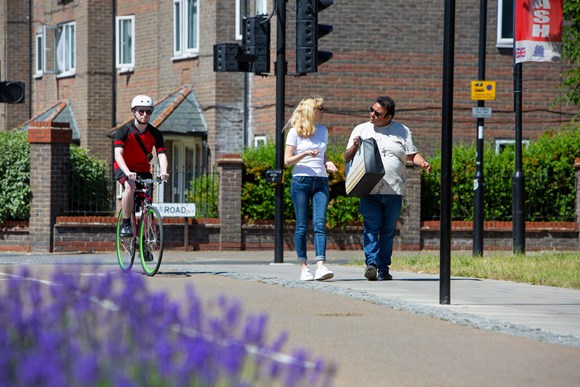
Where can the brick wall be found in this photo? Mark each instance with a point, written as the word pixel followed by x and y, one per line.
pixel 15 58
pixel 397 49
pixel 49 174
pixel 230 205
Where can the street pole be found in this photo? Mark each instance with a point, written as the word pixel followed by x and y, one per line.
pixel 446 153
pixel 281 70
pixel 479 181
pixel 518 190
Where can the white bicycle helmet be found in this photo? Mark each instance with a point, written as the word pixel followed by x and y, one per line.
pixel 141 100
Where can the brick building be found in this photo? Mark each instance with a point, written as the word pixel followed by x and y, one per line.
pixel 83 61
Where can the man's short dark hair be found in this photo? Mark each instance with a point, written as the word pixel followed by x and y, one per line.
pixel 388 103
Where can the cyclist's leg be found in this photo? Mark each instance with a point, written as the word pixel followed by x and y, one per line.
pixel 128 194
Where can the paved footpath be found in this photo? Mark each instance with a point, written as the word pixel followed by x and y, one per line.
pixel 388 333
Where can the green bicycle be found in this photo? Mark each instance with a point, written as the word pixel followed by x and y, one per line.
pixel 147 227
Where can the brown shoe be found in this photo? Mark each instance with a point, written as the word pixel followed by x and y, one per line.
pixel 371 272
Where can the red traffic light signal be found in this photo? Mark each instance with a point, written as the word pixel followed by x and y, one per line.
pixel 12 92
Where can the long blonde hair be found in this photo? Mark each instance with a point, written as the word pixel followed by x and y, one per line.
pixel 303 119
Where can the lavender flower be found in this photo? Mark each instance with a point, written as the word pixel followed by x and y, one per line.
pixel 110 330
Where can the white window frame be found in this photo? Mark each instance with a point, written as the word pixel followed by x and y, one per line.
pixel 239 17
pixel 66 49
pixel 48 49
pixel 261 7
pixel 503 41
pixel 500 144
pixel 184 28
pixel 39 55
pixel 125 42
pixel 260 140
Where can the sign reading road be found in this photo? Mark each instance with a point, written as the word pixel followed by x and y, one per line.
pixel 176 210
pixel 482 90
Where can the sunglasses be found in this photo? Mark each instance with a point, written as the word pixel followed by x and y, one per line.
pixel 320 108
pixel 375 113
pixel 145 111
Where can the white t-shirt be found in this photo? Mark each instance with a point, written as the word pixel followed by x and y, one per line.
pixel 309 166
pixel 395 142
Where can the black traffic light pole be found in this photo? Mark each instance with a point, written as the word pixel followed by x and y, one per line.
pixel 479 181
pixel 446 154
pixel 518 181
pixel 281 70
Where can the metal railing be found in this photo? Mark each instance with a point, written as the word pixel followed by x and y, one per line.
pixel 99 196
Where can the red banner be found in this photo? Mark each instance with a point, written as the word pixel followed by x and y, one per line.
pixel 538 30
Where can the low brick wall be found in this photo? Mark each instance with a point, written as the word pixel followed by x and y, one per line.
pixel 14 236
pixel 94 234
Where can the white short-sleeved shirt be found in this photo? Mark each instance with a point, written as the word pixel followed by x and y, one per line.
pixel 309 166
pixel 395 142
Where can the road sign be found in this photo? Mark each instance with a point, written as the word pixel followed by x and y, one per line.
pixel 176 210
pixel 481 112
pixel 482 90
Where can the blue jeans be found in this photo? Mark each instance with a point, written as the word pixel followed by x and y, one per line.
pixel 380 214
pixel 303 190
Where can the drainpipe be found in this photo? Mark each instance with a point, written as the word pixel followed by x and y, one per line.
pixel 113 100
pixel 31 64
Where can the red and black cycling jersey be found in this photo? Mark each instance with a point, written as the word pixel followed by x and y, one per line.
pixel 133 155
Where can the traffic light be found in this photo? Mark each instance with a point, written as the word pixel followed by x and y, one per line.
pixel 308 32
pixel 256 43
pixel 12 92
pixel 225 57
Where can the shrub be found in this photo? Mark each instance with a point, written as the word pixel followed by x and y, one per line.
pixel 204 192
pixel 90 185
pixel 110 330
pixel 548 167
pixel 14 176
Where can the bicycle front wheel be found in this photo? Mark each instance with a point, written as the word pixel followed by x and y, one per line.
pixel 151 241
pixel 125 245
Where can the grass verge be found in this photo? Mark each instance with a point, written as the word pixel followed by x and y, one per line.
pixel 559 269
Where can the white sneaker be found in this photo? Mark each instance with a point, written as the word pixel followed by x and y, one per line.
pixel 306 275
pixel 322 273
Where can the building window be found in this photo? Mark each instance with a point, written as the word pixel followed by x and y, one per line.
pixel 505 24
pixel 65 49
pixel 185 28
pixel 260 140
pixel 125 43
pixel 501 144
pixel 39 58
pixel 261 8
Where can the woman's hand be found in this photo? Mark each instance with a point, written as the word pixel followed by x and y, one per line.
pixel 330 167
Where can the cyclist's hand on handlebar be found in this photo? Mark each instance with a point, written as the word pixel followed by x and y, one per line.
pixel 164 176
pixel 131 176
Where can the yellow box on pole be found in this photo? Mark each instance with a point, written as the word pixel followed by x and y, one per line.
pixel 482 90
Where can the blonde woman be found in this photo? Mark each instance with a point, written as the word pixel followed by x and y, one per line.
pixel 305 150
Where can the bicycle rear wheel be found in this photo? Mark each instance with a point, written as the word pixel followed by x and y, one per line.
pixel 151 241
pixel 125 245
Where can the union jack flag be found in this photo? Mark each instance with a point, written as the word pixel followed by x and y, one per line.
pixel 520 52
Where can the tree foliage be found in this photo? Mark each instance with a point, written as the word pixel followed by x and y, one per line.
pixel 571 52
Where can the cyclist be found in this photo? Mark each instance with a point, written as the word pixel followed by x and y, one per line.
pixel 133 144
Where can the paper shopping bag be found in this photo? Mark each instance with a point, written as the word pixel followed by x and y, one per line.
pixel 365 169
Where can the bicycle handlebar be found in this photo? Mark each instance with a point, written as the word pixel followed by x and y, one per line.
pixel 148 181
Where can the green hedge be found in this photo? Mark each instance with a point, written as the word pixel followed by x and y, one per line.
pixel 548 167
pixel 90 182
pixel 14 176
